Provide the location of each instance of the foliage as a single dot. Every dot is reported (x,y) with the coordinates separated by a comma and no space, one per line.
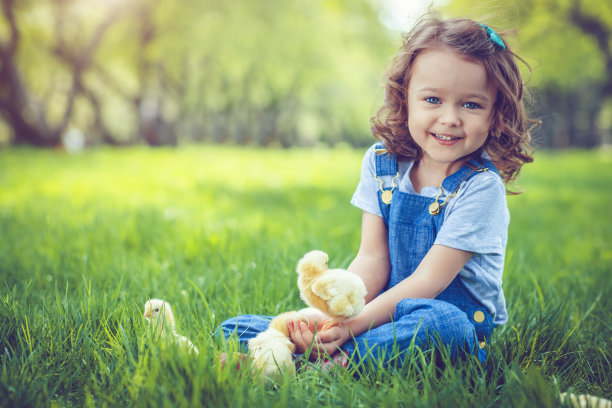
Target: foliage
(86,239)
(163,72)
(241,71)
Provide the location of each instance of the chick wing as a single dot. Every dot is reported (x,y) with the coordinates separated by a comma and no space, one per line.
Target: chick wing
(344,292)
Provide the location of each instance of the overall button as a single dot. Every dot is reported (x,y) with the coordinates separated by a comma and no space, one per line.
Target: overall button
(479,317)
(482,344)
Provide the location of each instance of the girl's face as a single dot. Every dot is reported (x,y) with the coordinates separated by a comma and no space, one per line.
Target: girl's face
(450,106)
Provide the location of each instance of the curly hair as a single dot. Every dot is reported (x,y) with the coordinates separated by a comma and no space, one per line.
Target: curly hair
(509,136)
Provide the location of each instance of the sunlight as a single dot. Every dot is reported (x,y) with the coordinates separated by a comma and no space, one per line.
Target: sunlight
(400,15)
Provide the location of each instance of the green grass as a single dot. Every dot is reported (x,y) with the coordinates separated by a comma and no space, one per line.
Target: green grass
(86,239)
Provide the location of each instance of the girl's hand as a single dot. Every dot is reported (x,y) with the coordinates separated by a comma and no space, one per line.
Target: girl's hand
(326,343)
(314,318)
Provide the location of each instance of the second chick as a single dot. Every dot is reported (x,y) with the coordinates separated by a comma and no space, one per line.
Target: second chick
(336,292)
(159,313)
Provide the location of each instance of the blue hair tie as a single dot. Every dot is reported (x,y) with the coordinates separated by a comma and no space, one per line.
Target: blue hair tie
(494,36)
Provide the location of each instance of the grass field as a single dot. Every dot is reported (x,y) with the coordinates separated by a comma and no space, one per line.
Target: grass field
(86,239)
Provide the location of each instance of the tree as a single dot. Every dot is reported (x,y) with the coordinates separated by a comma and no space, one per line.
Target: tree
(160,71)
(27,114)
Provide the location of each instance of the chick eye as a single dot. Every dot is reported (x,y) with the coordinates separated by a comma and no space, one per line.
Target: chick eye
(432,100)
(471,105)
(157,309)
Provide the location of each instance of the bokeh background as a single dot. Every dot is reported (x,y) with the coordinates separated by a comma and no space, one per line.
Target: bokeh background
(82,73)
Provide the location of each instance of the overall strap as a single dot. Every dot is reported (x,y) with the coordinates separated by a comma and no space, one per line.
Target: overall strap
(386,166)
(469,170)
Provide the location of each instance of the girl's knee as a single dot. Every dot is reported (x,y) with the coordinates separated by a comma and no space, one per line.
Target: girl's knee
(409,306)
(441,320)
(228,327)
(244,327)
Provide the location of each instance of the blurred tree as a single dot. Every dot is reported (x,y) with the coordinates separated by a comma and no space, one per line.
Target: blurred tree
(163,71)
(568,44)
(29,114)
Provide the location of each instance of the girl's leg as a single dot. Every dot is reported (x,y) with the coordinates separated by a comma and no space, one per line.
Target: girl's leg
(244,328)
(429,321)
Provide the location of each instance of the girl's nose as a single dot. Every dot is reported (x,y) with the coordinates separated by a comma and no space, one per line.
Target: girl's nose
(449,116)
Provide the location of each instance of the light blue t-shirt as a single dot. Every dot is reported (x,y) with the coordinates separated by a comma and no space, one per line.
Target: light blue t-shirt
(475,220)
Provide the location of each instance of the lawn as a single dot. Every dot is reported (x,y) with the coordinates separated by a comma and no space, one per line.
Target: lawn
(86,239)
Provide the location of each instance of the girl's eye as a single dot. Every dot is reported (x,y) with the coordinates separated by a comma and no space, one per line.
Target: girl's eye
(432,99)
(471,105)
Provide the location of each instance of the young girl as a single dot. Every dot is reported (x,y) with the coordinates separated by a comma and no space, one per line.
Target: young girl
(452,132)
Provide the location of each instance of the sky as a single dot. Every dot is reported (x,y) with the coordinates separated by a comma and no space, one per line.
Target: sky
(400,15)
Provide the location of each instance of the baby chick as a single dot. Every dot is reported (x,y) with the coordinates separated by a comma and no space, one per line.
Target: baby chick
(272,350)
(585,400)
(336,292)
(159,313)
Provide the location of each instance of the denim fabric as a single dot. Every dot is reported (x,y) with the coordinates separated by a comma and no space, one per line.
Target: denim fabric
(244,327)
(449,319)
(475,220)
(427,322)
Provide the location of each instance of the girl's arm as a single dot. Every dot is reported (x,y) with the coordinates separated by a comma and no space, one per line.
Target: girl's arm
(372,262)
(435,272)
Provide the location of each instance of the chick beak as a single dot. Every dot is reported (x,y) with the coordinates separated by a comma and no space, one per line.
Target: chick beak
(147,314)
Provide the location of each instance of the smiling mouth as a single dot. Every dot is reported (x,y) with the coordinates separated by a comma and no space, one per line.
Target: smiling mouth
(444,137)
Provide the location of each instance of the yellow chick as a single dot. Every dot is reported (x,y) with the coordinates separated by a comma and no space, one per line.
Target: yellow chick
(336,292)
(586,400)
(159,313)
(272,350)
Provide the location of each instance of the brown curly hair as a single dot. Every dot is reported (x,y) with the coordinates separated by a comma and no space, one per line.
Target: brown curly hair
(509,137)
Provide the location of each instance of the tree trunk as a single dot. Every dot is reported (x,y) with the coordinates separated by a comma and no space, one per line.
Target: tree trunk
(22,115)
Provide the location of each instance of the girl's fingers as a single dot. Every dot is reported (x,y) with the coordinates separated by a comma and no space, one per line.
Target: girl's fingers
(308,338)
(324,343)
(296,336)
(300,335)
(306,333)
(314,325)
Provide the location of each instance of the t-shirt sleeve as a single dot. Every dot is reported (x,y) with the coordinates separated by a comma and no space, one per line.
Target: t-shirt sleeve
(477,219)
(366,194)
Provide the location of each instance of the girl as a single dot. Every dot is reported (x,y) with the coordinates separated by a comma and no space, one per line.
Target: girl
(452,132)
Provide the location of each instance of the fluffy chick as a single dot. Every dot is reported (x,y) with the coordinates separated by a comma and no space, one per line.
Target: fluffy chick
(272,350)
(336,292)
(159,313)
(585,400)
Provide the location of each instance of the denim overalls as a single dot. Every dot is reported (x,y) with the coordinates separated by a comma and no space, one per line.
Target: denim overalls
(454,318)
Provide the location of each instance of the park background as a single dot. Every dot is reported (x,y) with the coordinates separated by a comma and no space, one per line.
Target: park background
(258,114)
(261,73)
